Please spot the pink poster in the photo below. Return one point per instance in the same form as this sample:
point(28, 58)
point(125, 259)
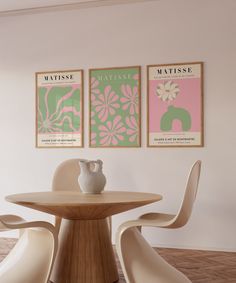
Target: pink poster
point(175, 105)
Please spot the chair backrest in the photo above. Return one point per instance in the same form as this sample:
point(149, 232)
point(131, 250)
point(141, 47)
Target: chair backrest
point(67, 173)
point(65, 178)
point(185, 211)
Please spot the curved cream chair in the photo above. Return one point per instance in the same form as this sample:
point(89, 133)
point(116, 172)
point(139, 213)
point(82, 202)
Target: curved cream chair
point(31, 259)
point(66, 178)
point(139, 261)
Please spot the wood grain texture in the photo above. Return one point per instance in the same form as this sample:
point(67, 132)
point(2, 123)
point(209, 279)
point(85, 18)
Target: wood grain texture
point(203, 266)
point(65, 178)
point(85, 251)
point(199, 266)
point(85, 254)
point(77, 205)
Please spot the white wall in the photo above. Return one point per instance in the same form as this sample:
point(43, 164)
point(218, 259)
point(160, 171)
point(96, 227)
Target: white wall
point(165, 31)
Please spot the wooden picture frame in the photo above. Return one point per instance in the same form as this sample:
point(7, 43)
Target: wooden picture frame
point(115, 107)
point(175, 105)
point(59, 109)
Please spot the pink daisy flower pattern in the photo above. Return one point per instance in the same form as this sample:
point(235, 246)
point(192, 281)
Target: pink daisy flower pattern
point(130, 99)
point(93, 122)
point(133, 129)
point(106, 103)
point(93, 138)
point(112, 132)
point(94, 88)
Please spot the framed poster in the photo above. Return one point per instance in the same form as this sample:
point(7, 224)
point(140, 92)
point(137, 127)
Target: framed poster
point(175, 105)
point(59, 109)
point(115, 107)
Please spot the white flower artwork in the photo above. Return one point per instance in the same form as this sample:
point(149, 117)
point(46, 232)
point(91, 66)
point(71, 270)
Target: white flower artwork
point(167, 91)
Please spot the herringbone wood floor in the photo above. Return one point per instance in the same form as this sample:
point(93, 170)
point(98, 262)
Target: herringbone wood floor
point(199, 266)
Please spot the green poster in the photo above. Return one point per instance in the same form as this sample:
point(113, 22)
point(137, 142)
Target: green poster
point(115, 107)
point(59, 109)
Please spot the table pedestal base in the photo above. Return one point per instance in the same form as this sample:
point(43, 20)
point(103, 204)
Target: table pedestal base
point(85, 253)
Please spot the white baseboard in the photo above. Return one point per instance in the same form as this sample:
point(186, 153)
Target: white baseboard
point(201, 248)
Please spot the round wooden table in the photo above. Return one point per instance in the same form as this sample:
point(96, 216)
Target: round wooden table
point(85, 252)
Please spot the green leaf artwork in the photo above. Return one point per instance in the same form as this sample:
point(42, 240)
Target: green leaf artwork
point(59, 103)
point(58, 109)
point(115, 107)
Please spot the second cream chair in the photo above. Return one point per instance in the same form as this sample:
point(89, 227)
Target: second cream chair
point(139, 261)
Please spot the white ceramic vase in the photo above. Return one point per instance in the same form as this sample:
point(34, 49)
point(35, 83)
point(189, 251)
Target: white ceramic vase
point(91, 178)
